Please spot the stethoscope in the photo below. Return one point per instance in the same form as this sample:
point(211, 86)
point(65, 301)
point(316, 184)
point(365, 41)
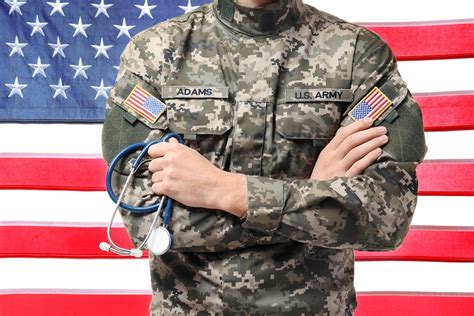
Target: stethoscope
point(158, 239)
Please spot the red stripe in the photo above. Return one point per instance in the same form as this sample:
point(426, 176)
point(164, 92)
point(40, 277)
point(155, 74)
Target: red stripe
point(52, 174)
point(139, 96)
point(436, 177)
point(134, 100)
point(446, 177)
point(378, 106)
point(411, 304)
point(59, 242)
point(444, 111)
point(433, 244)
point(368, 304)
point(371, 95)
point(142, 91)
point(409, 42)
point(140, 109)
point(74, 304)
point(380, 109)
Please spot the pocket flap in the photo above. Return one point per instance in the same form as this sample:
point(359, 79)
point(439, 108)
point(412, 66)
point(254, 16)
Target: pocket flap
point(318, 120)
point(199, 116)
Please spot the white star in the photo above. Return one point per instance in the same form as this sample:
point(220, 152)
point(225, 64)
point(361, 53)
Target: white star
point(59, 89)
point(80, 28)
point(16, 88)
point(57, 7)
point(58, 47)
point(101, 90)
point(37, 26)
point(39, 68)
point(101, 8)
point(124, 28)
point(80, 69)
point(188, 8)
point(117, 67)
point(145, 9)
point(102, 49)
point(15, 6)
point(16, 47)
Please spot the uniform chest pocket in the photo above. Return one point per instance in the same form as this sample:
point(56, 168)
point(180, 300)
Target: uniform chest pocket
point(309, 120)
point(303, 129)
point(204, 123)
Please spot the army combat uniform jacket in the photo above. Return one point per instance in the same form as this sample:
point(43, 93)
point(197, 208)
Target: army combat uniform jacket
point(261, 91)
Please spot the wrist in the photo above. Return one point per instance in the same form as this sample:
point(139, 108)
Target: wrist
point(232, 196)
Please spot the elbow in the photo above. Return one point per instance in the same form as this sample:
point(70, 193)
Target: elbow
point(388, 233)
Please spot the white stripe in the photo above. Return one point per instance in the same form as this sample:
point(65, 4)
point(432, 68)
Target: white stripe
point(414, 276)
point(133, 274)
point(444, 211)
point(34, 139)
point(51, 138)
point(96, 274)
point(402, 10)
point(69, 208)
point(438, 75)
point(56, 206)
point(450, 145)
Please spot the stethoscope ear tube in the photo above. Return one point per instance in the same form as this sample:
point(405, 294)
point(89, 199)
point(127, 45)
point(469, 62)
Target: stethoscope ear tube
point(159, 239)
point(143, 147)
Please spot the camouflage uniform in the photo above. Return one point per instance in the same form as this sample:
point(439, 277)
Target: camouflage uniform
point(261, 91)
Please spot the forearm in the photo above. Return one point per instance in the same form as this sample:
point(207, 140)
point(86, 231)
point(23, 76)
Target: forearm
point(367, 212)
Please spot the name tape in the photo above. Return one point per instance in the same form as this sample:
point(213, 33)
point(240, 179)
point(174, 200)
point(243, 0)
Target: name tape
point(307, 95)
point(195, 92)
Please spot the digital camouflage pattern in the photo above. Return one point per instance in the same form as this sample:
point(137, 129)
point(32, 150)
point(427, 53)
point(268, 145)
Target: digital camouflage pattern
point(225, 73)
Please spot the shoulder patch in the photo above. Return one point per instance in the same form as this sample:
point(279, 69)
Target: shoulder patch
point(144, 104)
point(372, 105)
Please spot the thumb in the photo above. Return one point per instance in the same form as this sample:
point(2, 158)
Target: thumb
point(173, 140)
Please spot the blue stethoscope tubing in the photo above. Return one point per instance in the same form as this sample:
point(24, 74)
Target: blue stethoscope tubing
point(143, 147)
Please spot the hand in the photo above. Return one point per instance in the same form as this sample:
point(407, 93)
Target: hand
point(184, 175)
point(351, 151)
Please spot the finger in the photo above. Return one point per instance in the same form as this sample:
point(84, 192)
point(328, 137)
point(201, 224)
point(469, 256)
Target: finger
point(359, 166)
point(160, 149)
point(157, 164)
point(343, 132)
point(173, 140)
point(362, 150)
point(157, 188)
point(157, 176)
point(353, 141)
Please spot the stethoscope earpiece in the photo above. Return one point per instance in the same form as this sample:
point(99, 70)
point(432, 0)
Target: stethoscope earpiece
point(159, 239)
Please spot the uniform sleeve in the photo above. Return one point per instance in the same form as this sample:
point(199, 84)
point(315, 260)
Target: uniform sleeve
point(371, 211)
point(194, 229)
point(123, 127)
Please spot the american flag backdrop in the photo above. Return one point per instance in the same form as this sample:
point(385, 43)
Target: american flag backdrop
point(58, 61)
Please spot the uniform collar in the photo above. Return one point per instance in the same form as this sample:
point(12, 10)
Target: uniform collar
point(262, 21)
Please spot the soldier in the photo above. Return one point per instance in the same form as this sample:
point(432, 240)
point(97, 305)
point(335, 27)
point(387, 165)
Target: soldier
point(286, 168)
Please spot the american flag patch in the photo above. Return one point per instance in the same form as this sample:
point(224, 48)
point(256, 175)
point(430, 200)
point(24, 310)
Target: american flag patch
point(372, 105)
point(145, 104)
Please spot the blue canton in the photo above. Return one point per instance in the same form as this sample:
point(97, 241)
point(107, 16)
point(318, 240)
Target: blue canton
point(361, 110)
point(153, 105)
point(60, 57)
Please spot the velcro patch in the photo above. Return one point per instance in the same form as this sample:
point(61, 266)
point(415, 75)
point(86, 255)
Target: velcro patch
point(372, 105)
point(146, 105)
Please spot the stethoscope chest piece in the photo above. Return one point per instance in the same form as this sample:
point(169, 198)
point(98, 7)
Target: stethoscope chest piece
point(160, 241)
